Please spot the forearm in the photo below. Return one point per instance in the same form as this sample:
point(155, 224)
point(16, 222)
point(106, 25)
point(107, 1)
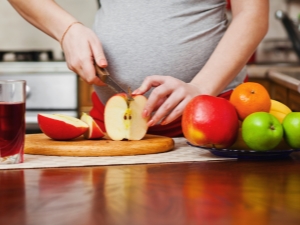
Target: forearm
point(247, 29)
point(46, 15)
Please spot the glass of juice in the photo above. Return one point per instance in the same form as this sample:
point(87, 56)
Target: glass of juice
point(12, 121)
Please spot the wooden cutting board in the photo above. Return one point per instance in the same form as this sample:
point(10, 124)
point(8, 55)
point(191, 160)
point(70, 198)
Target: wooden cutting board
point(40, 144)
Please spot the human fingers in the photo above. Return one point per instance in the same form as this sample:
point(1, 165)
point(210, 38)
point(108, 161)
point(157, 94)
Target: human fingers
point(169, 110)
point(85, 68)
point(175, 103)
point(159, 103)
point(175, 113)
point(98, 53)
point(99, 59)
point(148, 83)
point(158, 95)
point(89, 72)
point(79, 53)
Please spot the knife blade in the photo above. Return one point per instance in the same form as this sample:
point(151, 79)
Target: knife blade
point(105, 77)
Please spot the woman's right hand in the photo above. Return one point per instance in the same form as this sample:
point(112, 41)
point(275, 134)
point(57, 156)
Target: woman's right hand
point(80, 44)
point(82, 49)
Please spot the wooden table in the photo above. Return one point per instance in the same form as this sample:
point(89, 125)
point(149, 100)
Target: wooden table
point(227, 192)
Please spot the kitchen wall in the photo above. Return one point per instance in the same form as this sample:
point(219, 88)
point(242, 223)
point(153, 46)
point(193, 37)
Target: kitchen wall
point(276, 37)
point(17, 34)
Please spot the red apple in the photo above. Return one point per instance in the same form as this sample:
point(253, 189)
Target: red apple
point(94, 131)
point(210, 121)
point(123, 117)
point(61, 127)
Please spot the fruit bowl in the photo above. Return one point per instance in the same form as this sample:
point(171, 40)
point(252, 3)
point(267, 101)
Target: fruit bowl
point(250, 154)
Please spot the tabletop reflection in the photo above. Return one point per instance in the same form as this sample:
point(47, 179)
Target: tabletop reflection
point(185, 193)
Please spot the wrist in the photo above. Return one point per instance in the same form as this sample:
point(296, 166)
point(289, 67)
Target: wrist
point(66, 31)
point(204, 89)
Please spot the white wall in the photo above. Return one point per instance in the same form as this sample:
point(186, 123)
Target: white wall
point(17, 34)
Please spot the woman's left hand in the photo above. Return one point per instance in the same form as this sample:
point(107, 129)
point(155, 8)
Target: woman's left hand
point(168, 98)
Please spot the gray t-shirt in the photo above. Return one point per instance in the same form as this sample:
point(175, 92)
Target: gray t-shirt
point(159, 37)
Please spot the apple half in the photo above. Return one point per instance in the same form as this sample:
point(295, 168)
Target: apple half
point(123, 117)
point(94, 131)
point(61, 127)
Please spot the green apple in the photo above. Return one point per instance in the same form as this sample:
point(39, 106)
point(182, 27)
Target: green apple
point(291, 127)
point(262, 131)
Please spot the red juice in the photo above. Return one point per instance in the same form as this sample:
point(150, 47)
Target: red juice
point(12, 128)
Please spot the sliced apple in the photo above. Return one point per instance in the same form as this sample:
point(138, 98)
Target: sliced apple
point(123, 118)
point(61, 127)
point(94, 131)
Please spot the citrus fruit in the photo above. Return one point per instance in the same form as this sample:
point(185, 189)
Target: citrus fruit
point(262, 131)
point(250, 97)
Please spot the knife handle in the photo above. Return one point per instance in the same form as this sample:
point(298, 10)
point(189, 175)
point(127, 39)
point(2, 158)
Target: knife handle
point(101, 72)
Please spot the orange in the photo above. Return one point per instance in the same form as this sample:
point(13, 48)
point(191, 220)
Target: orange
point(250, 97)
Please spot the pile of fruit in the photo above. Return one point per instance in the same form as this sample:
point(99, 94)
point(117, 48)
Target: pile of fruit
point(249, 120)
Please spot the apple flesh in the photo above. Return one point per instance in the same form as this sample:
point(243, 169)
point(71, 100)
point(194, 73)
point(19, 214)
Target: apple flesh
point(61, 127)
point(210, 121)
point(94, 131)
point(123, 118)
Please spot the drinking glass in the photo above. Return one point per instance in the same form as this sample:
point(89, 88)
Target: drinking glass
point(12, 121)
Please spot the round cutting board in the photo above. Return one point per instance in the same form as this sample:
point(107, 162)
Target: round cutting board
point(40, 144)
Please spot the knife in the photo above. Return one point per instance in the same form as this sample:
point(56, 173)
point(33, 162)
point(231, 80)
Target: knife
point(105, 77)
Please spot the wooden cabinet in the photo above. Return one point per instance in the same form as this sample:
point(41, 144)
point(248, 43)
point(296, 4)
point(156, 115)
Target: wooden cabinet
point(85, 91)
point(294, 100)
point(279, 93)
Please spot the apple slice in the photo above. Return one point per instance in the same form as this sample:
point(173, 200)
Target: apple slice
point(94, 131)
point(123, 118)
point(61, 127)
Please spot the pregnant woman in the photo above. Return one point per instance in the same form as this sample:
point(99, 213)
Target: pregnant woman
point(171, 50)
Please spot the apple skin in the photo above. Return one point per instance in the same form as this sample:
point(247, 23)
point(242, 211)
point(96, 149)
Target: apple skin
point(210, 121)
point(61, 127)
point(291, 127)
point(123, 118)
point(262, 131)
point(94, 131)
